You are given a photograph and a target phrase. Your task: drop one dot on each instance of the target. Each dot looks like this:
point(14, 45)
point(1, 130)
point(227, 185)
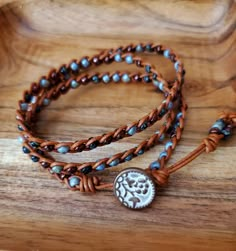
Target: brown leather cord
point(173, 110)
point(209, 144)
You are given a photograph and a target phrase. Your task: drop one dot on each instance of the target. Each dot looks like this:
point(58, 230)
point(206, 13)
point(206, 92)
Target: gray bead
point(57, 169)
point(132, 130)
point(21, 139)
point(74, 66)
point(24, 106)
point(85, 63)
point(44, 83)
point(63, 149)
point(116, 77)
point(33, 99)
point(114, 162)
point(46, 101)
point(74, 84)
point(74, 181)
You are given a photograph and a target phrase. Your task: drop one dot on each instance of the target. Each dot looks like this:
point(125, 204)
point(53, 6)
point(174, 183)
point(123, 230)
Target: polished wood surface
point(197, 211)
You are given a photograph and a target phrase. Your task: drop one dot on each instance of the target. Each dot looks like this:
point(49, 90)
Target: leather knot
point(88, 184)
point(161, 176)
point(211, 142)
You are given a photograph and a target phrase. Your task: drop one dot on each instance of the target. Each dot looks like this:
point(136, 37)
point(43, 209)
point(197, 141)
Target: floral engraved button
point(134, 188)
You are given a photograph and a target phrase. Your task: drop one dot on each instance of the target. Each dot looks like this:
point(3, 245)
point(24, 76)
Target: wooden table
point(197, 211)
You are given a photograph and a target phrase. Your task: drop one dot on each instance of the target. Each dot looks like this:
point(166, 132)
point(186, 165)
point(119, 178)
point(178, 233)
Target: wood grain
point(197, 211)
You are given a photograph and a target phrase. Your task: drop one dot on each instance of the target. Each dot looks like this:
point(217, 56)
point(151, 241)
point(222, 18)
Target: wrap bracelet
point(135, 188)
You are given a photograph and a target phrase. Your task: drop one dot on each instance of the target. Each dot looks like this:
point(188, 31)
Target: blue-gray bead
point(44, 83)
point(170, 105)
point(24, 106)
point(158, 84)
point(168, 144)
point(161, 137)
point(162, 154)
point(148, 47)
point(85, 63)
point(176, 65)
point(161, 86)
point(95, 79)
point(146, 79)
point(132, 130)
point(129, 59)
point(155, 165)
point(118, 58)
point(74, 66)
point(219, 124)
point(220, 121)
point(74, 84)
point(46, 101)
point(148, 68)
point(115, 162)
point(227, 132)
point(179, 115)
point(33, 99)
point(139, 48)
point(63, 149)
point(56, 169)
point(140, 152)
point(116, 77)
point(106, 78)
point(129, 157)
point(166, 53)
point(216, 125)
point(125, 78)
point(101, 167)
point(74, 181)
point(21, 139)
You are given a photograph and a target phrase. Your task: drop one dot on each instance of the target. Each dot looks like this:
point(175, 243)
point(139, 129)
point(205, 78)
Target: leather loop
point(88, 184)
point(161, 176)
point(211, 142)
